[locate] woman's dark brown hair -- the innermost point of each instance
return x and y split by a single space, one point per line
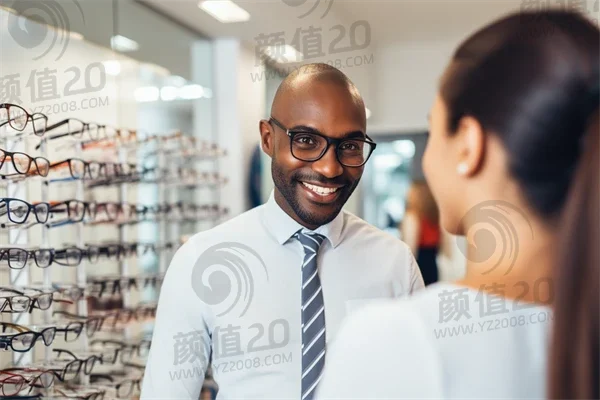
531 79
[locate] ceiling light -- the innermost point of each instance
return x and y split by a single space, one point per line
112 67
225 11
368 112
191 92
168 93
283 54
146 94
123 44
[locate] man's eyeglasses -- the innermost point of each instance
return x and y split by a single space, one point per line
311 146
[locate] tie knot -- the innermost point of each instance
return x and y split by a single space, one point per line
310 240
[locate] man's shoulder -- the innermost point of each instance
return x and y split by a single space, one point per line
357 229
231 229
236 229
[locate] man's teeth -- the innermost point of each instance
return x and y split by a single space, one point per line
323 191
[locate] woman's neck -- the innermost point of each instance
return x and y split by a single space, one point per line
520 264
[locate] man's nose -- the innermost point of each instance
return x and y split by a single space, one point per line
328 165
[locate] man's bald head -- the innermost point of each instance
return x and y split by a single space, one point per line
317 73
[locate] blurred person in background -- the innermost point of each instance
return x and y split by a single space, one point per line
420 229
514 138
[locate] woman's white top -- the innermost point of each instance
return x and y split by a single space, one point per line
445 342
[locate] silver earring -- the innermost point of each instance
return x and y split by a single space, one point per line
462 168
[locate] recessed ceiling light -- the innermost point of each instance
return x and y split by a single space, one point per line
123 44
283 54
191 92
225 11
168 93
112 67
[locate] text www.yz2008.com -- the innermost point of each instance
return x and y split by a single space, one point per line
494 324
251 363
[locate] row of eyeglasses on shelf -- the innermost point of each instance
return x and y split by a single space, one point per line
18 123
17 166
17 213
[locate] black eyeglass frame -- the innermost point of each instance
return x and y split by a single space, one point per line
336 142
30 117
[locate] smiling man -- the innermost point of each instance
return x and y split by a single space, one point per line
262 295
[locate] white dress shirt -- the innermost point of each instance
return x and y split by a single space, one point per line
243 311
445 342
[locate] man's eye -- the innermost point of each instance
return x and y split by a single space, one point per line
305 140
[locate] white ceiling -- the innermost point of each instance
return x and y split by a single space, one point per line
390 21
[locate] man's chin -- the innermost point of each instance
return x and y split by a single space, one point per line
318 214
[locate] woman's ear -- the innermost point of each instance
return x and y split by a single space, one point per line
472 146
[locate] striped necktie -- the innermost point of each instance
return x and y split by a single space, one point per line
313 315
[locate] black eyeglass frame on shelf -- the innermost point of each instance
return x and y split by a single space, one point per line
29 117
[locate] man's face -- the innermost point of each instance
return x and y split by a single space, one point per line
314 193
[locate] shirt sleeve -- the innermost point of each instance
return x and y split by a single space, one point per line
180 348
381 352
416 278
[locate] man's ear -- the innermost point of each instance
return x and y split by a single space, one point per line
266 137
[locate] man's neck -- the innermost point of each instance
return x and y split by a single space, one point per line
283 204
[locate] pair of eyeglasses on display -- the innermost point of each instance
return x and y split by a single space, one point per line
74 211
25 338
123 387
18 258
111 286
75 325
67 365
17 380
72 292
16 118
116 350
81 170
80 393
17 301
78 129
15 165
17 213
310 145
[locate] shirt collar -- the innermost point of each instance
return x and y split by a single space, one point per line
283 227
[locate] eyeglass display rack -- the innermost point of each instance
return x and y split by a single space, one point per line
173 184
